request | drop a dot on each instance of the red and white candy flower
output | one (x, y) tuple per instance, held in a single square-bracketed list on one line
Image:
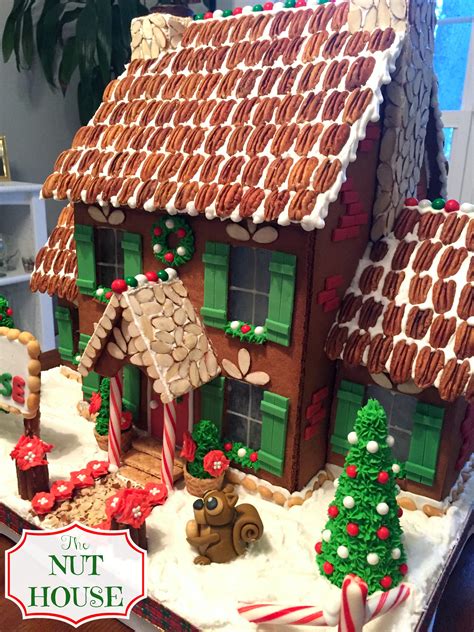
[(43, 502), (158, 493), (215, 463), (30, 452), (189, 447), (97, 468), (62, 490), (82, 478)]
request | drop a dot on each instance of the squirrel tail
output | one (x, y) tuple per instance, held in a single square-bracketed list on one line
[(247, 528)]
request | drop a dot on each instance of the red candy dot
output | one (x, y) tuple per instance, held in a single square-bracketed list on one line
[(318, 547), (386, 581), (169, 257), (399, 512), (227, 446), (383, 477), (253, 457), (411, 202), (108, 295), (451, 206), (151, 276), (300, 3), (119, 286), (208, 15), (157, 231), (181, 233), (9, 311), (245, 329), (328, 568), (333, 511), (351, 471), (268, 6), (1, 316), (352, 529), (383, 533), (237, 11), (403, 569)]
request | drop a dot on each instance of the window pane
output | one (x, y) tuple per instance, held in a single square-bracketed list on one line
[(263, 258), (237, 428), (105, 245), (256, 400), (255, 436), (238, 394), (243, 416), (242, 267), (448, 141), (106, 274), (451, 55), (261, 309), (241, 306)]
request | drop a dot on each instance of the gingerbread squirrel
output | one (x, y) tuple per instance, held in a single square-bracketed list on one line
[(221, 529)]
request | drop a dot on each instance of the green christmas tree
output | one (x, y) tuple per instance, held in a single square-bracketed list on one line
[(363, 534), (207, 437), (6, 313), (102, 420)]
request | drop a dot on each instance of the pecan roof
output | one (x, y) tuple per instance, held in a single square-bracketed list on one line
[(409, 311), (55, 268), (252, 116)]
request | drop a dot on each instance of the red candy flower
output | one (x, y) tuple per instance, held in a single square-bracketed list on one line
[(95, 403), (97, 468), (157, 493), (30, 452), (189, 447), (62, 490), (113, 505), (215, 463), (132, 508), (43, 502), (81, 479), (126, 420)]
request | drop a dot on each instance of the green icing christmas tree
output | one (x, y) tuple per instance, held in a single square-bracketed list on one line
[(363, 534), (102, 421), (6, 313), (207, 437)]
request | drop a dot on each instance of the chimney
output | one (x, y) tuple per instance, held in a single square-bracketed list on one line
[(152, 34)]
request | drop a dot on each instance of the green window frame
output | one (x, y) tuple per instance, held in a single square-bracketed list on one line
[(85, 251), (216, 279), (212, 401), (65, 333), (350, 397), (424, 445), (90, 383), (275, 409), (132, 254), (131, 389), (281, 299)]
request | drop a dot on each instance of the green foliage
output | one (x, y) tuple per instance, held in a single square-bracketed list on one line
[(367, 492), (247, 336), (207, 437), (6, 312), (243, 461), (102, 420)]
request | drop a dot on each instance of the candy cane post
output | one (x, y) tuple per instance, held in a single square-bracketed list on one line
[(356, 609), (169, 442), (115, 419)]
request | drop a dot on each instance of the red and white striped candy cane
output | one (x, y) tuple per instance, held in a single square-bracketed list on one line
[(283, 615), (115, 418), (169, 442), (353, 604), (379, 605)]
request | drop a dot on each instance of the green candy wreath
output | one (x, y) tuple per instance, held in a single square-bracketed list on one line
[(160, 233)]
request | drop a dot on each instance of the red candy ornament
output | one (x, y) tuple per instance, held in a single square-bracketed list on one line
[(399, 512), (237, 11), (352, 529), (119, 286), (403, 568), (451, 206), (181, 233), (157, 231), (152, 276), (351, 471), (227, 446), (9, 311), (383, 477), (333, 511), (208, 15), (318, 547), (169, 257), (383, 533), (300, 3), (108, 295), (411, 202), (386, 581), (268, 6), (245, 329), (253, 457), (328, 568)]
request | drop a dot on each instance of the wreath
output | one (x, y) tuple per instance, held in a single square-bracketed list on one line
[(160, 233)]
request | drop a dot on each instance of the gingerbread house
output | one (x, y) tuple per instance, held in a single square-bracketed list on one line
[(254, 154)]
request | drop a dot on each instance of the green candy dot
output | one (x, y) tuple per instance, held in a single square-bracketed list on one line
[(289, 4), (257, 7), (227, 13), (163, 275), (323, 1), (438, 204), (131, 281), (199, 16)]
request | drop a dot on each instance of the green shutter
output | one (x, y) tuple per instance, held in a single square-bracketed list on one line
[(85, 251), (131, 389), (424, 445), (212, 401), (66, 336), (280, 302), (132, 254), (90, 383), (350, 398), (216, 272), (271, 456)]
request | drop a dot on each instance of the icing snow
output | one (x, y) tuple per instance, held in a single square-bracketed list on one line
[(280, 568)]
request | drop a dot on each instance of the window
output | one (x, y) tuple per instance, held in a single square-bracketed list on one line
[(400, 411), (109, 255), (244, 417), (249, 284)]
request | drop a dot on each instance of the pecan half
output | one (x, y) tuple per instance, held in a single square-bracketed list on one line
[(428, 364), (253, 170), (186, 194), (441, 332), (419, 288), (369, 314), (277, 172), (466, 302), (392, 319), (313, 45), (349, 308), (292, 50), (237, 54), (300, 174), (392, 284), (321, 16), (241, 28), (443, 296), (356, 43), (425, 255), (281, 22), (287, 81), (406, 223), (210, 168), (378, 251), (228, 83), (297, 25), (326, 175), (259, 25), (336, 341), (310, 107), (336, 71), (453, 379), (203, 112), (370, 279), (402, 360), (216, 138), (310, 76), (276, 49), (359, 73), (470, 237), (247, 83), (356, 104), (284, 139), (250, 202), (335, 44), (470, 272), (402, 254), (163, 194), (307, 137), (265, 110), (169, 167), (231, 170), (379, 353), (355, 346), (222, 112), (228, 199), (268, 80), (288, 107), (275, 204), (418, 322), (302, 204), (428, 225), (452, 228), (238, 139), (451, 260), (464, 343), (243, 111), (381, 40), (259, 139), (334, 138), (206, 197), (334, 105)]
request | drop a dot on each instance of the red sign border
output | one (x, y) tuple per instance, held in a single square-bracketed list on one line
[(75, 623)]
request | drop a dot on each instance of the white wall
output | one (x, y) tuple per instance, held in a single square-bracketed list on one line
[(37, 122)]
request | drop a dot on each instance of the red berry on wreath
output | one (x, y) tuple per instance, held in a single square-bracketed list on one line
[(151, 276), (253, 457), (157, 231), (351, 471), (352, 529), (9, 312), (328, 568), (318, 547), (333, 511), (403, 569), (383, 477), (181, 233), (227, 446), (383, 533), (169, 257), (119, 286), (245, 329), (386, 581)]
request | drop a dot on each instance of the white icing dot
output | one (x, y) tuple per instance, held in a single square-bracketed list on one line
[(259, 330), (169, 223), (390, 441), (372, 447), (395, 468), (218, 13), (234, 325), (241, 452), (172, 274), (424, 204), (467, 208), (181, 251), (382, 509), (99, 291), (326, 535), (470, 321), (352, 437), (348, 502), (343, 551), (157, 248), (373, 559), (336, 483), (141, 279), (396, 553)]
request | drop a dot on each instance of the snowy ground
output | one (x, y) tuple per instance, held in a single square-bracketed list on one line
[(280, 568)]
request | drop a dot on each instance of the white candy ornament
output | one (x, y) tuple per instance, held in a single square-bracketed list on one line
[(172, 274), (241, 452), (247, 10), (169, 223), (373, 559), (382, 509), (234, 325), (352, 437), (396, 553), (466, 207), (157, 248), (218, 13), (348, 502), (390, 441), (141, 279), (99, 291), (259, 330), (326, 535), (181, 251), (424, 204), (372, 447), (343, 552), (395, 468), (336, 483)]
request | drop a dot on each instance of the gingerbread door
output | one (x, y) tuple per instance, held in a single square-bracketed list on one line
[(157, 417)]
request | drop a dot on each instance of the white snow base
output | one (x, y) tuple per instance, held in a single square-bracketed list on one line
[(280, 568)]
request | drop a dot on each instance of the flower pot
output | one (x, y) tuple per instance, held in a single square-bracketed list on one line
[(125, 440), (199, 486)]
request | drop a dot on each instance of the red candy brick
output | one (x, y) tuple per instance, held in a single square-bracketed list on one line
[(326, 295), (350, 197), (320, 395), (333, 282), (355, 209), (341, 234), (331, 305)]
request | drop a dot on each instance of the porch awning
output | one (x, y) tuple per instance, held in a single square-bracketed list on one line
[(156, 328)]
